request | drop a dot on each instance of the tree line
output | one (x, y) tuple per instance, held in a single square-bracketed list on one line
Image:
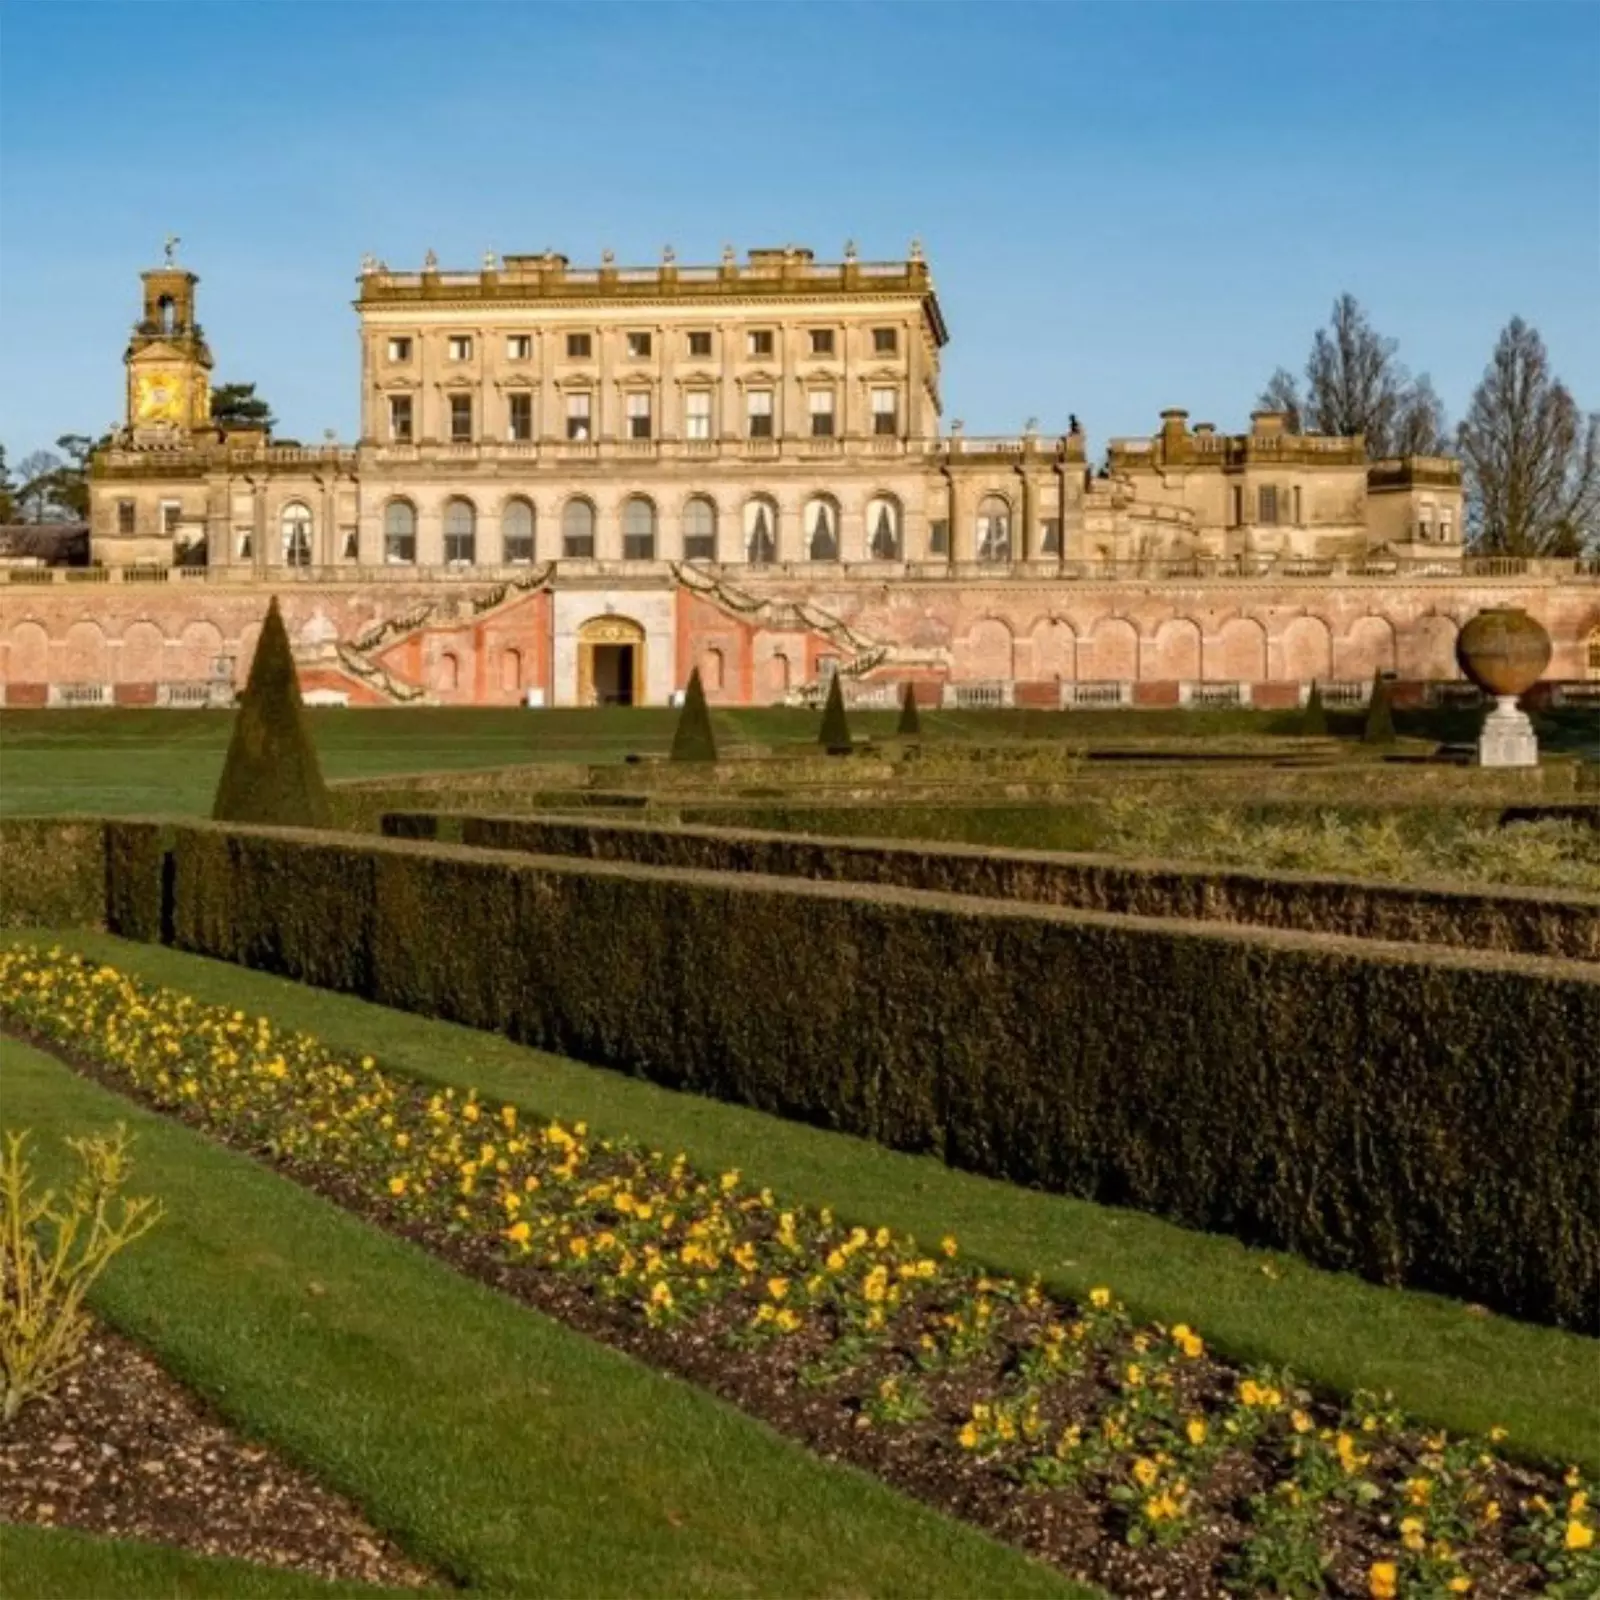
[(1530, 457)]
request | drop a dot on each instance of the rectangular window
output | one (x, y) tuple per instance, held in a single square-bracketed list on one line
[(1238, 506), (1267, 504), (460, 418), (939, 537), (243, 543), (400, 418), (1050, 536), (639, 346), (1445, 531), (758, 342), (125, 515), (579, 347), (758, 409), (822, 341), (638, 416), (519, 417), (399, 349), (821, 413), (171, 514), (577, 416), (519, 347), (459, 347), (700, 343), (885, 341), (697, 414), (886, 410), (1298, 519)]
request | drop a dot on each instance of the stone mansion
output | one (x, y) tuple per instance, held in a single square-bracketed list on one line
[(575, 485)]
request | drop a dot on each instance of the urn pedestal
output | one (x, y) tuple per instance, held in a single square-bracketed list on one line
[(1504, 651)]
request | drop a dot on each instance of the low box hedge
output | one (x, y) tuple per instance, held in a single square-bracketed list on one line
[(1422, 1116), (52, 872), (1530, 921)]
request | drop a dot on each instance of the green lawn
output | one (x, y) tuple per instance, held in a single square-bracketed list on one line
[(1445, 1362), (128, 762), (58, 1564), (509, 1451)]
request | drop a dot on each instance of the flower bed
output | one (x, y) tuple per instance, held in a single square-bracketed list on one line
[(1126, 1454)]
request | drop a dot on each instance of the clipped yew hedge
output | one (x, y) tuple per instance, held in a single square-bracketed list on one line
[(1422, 1116), (52, 872), (1530, 921)]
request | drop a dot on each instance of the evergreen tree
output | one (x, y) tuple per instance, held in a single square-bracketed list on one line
[(272, 774), (1379, 727), (910, 724), (1314, 715), (835, 735), (692, 739)]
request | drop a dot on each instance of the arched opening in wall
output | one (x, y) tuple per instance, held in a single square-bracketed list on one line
[(1173, 654), (611, 670), (577, 531), (711, 670), (166, 314), (699, 530), (638, 529), (822, 529), (460, 533), (447, 674), (511, 671), (776, 675), (142, 658), (1307, 651), (1591, 656), (294, 526), (883, 528), (1055, 650), (993, 529), (400, 533), (761, 531), (516, 533)]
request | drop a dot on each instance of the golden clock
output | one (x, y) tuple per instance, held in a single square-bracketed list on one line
[(158, 397)]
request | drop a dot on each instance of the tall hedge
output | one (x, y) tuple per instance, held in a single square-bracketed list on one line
[(835, 734), (272, 773), (1379, 725), (910, 724), (692, 739), (1370, 1106), (52, 872)]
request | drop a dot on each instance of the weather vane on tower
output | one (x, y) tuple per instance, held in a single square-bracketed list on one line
[(171, 246)]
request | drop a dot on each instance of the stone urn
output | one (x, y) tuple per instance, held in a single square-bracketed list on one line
[(1504, 651)]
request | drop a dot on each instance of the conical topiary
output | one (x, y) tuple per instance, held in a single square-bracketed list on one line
[(1379, 726), (1314, 715), (835, 735), (910, 724), (692, 739), (272, 774)]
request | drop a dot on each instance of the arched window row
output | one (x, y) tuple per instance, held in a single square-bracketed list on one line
[(638, 524)]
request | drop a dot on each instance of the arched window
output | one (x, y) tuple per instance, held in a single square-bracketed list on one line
[(638, 529), (883, 528), (447, 675), (511, 671), (460, 533), (822, 530), (760, 532), (167, 314), (577, 531), (994, 529), (711, 669), (1592, 654), (516, 533), (295, 523), (400, 532), (699, 530)]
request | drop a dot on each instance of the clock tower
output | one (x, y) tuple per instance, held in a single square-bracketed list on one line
[(169, 366)]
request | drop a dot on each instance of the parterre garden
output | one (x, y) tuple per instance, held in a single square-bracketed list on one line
[(1021, 1222)]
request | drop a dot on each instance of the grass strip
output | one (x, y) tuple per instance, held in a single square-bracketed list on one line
[(62, 1564), (508, 1450), (1446, 1363)]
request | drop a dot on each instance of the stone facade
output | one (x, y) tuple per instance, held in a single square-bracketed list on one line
[(580, 484)]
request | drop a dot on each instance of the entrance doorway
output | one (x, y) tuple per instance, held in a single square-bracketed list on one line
[(611, 662)]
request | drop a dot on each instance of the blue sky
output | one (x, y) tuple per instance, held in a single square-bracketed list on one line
[(1126, 206)]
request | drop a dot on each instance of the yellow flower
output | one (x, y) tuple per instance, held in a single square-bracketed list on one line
[(660, 1294), (1195, 1428), (1383, 1580), (1411, 1534), (518, 1232), (1300, 1422), (1460, 1584), (777, 1287), (968, 1437), (1498, 1435), (948, 1245), (1188, 1341), (1578, 1504), (1579, 1535), (397, 1186), (1145, 1472), (1100, 1298)]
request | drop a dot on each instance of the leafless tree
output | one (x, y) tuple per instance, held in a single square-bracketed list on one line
[(1355, 384), (1531, 457)]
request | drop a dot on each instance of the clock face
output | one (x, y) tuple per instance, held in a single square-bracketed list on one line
[(158, 397)]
